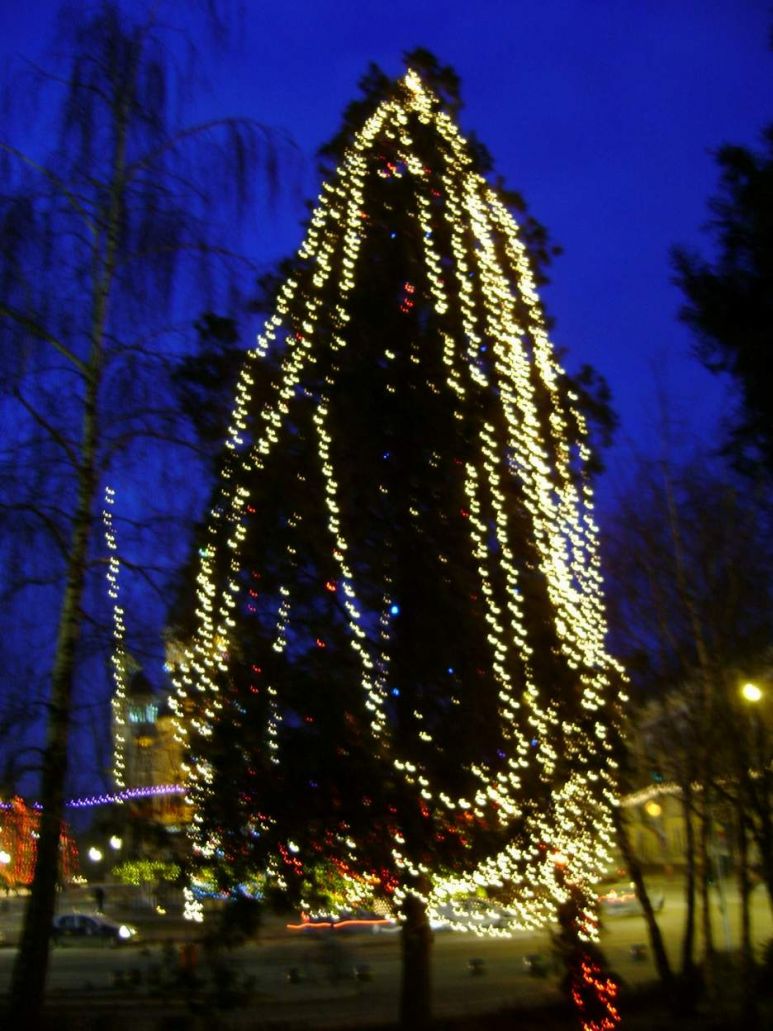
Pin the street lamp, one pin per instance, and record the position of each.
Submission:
(751, 692)
(95, 854)
(116, 842)
(753, 695)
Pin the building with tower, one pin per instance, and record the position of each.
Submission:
(147, 756)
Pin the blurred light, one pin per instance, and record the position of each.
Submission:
(653, 809)
(116, 842)
(95, 854)
(751, 692)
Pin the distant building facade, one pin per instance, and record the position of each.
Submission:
(150, 757)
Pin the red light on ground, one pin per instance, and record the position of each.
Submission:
(336, 925)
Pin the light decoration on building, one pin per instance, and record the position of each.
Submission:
(19, 824)
(118, 658)
(127, 795)
(543, 458)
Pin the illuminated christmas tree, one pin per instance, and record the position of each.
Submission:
(397, 692)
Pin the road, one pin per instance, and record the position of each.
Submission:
(336, 978)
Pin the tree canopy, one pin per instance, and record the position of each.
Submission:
(729, 296)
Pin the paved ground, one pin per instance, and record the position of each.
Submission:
(294, 980)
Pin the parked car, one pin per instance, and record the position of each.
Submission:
(85, 928)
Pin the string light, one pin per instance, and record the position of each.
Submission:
(118, 659)
(127, 795)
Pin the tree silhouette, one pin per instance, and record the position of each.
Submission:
(729, 300)
(98, 237)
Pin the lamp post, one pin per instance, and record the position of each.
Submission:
(752, 695)
(96, 855)
(654, 811)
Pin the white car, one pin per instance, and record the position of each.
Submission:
(625, 902)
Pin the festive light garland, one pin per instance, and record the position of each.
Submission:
(591, 978)
(159, 790)
(127, 795)
(574, 833)
(118, 659)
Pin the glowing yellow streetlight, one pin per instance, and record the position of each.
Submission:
(751, 693)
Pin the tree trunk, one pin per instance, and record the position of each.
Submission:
(749, 1005)
(709, 964)
(416, 981)
(31, 965)
(688, 939)
(705, 878)
(758, 793)
(660, 955)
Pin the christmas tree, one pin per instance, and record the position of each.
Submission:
(397, 691)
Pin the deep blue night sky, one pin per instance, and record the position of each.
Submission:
(602, 113)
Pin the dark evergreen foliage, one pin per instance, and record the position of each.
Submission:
(730, 296)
